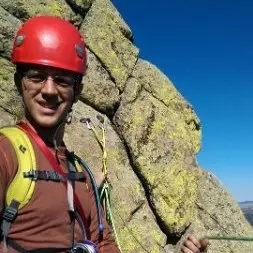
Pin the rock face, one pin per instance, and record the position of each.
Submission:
(159, 193)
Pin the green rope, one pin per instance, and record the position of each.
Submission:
(112, 220)
(228, 238)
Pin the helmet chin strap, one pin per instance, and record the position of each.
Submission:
(68, 121)
(69, 117)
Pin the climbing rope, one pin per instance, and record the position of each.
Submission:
(228, 238)
(105, 190)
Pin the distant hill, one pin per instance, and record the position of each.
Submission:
(247, 208)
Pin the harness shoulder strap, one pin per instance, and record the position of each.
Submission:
(26, 162)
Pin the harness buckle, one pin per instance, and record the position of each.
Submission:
(10, 213)
(56, 177)
(33, 174)
(46, 174)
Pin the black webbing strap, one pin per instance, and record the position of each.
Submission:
(72, 171)
(20, 249)
(8, 217)
(52, 175)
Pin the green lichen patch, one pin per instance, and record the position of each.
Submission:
(45, 7)
(7, 70)
(99, 91)
(10, 100)
(163, 146)
(133, 238)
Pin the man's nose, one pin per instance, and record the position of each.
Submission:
(49, 87)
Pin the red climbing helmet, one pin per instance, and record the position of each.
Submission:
(50, 41)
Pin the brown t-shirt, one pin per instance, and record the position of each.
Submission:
(45, 221)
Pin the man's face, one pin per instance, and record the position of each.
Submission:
(48, 94)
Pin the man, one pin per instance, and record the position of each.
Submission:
(50, 59)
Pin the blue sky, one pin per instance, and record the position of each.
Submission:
(206, 50)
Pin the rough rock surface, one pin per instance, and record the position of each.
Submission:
(159, 193)
(217, 213)
(25, 9)
(131, 209)
(108, 37)
(99, 90)
(8, 27)
(162, 144)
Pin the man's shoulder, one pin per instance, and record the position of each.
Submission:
(4, 139)
(5, 142)
(8, 158)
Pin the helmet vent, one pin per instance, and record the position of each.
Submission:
(19, 40)
(79, 51)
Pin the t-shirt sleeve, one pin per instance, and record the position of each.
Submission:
(105, 240)
(8, 167)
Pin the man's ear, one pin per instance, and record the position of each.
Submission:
(18, 82)
(78, 91)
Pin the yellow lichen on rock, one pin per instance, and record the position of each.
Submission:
(105, 32)
(46, 7)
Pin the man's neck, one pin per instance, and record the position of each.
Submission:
(52, 136)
